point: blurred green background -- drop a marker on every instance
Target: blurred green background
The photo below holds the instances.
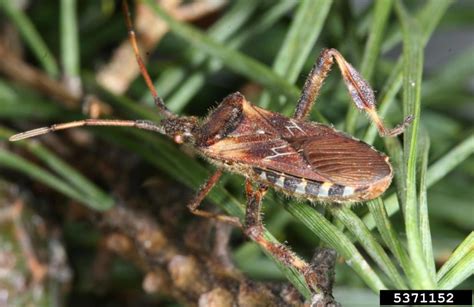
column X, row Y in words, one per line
column 61, row 62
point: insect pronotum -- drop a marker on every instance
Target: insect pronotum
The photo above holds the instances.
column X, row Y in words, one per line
column 290, row 154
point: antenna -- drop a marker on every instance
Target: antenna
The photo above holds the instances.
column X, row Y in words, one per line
column 133, row 41
column 140, row 124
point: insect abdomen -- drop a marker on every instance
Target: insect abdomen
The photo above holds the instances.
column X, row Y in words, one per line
column 308, row 188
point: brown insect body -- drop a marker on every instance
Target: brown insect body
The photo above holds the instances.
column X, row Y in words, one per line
column 298, row 157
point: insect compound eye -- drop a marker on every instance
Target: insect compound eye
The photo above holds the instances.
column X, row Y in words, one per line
column 179, row 139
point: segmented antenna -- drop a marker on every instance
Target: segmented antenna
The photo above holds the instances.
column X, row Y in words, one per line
column 140, row 124
column 133, row 41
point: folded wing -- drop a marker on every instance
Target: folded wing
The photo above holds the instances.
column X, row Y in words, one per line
column 343, row 160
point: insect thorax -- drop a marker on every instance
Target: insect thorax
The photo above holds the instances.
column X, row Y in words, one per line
column 221, row 121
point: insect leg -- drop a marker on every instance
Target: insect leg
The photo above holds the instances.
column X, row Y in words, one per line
column 313, row 84
column 202, row 193
column 359, row 89
column 254, row 230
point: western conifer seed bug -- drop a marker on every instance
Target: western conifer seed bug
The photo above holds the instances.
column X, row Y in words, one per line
column 295, row 156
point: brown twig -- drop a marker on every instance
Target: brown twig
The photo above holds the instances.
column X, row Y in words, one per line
column 121, row 70
column 17, row 69
column 189, row 275
column 37, row 269
column 25, row 240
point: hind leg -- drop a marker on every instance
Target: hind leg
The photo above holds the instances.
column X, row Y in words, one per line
column 360, row 91
column 254, row 230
